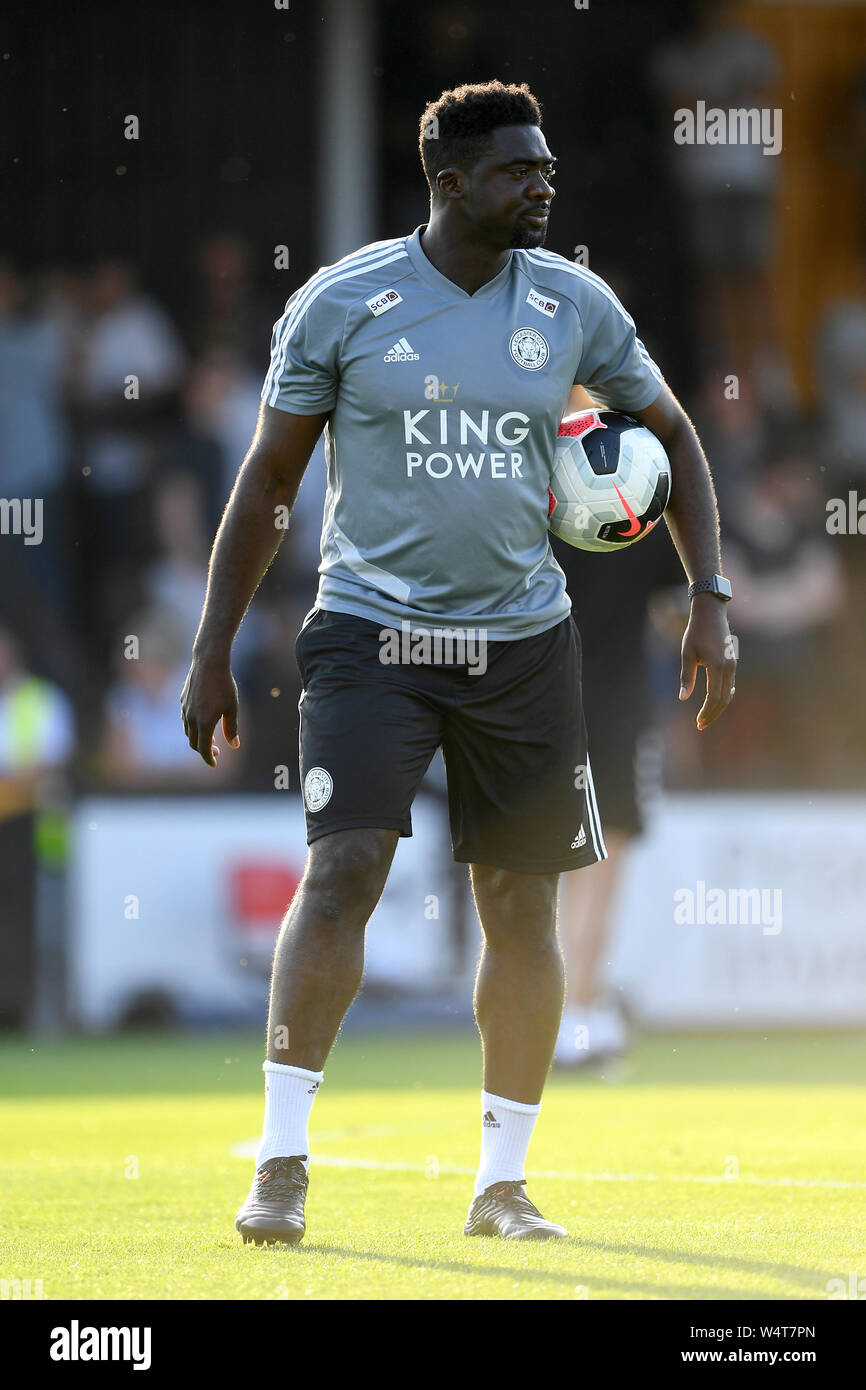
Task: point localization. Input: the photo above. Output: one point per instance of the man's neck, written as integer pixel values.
(470, 264)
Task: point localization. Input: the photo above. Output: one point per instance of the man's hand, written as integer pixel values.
(708, 642)
(693, 521)
(209, 693)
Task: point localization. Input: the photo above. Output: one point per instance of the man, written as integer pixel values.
(440, 364)
(610, 601)
(37, 740)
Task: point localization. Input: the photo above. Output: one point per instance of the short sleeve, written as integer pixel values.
(303, 376)
(614, 366)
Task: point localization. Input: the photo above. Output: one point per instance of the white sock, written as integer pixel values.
(506, 1129)
(289, 1096)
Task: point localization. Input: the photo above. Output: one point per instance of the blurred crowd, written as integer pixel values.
(777, 463)
(129, 426)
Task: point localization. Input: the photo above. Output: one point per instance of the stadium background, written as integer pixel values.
(137, 888)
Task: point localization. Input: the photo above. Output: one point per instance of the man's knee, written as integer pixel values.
(346, 872)
(513, 903)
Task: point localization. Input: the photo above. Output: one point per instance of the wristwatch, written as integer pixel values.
(716, 584)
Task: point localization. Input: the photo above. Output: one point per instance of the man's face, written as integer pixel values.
(508, 193)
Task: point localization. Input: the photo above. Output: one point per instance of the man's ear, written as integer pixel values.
(451, 182)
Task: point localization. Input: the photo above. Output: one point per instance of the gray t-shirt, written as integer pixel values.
(444, 409)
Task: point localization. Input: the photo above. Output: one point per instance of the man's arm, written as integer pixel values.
(246, 542)
(693, 521)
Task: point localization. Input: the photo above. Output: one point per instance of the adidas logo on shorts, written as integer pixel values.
(579, 839)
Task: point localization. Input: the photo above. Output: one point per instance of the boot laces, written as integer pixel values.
(281, 1178)
(512, 1194)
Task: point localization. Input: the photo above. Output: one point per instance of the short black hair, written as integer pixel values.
(455, 128)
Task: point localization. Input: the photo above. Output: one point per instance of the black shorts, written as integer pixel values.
(520, 791)
(624, 761)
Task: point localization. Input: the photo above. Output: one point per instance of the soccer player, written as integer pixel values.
(610, 600)
(439, 364)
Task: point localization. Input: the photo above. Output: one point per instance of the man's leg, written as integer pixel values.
(317, 969)
(319, 959)
(520, 982)
(585, 919)
(592, 1029)
(518, 1001)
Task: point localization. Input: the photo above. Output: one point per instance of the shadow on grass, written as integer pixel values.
(577, 1280)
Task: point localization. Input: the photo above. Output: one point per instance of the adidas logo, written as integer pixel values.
(402, 351)
(579, 839)
(490, 1121)
(313, 1089)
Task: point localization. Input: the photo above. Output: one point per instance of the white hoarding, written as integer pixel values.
(733, 910)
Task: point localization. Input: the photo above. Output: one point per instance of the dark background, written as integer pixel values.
(226, 98)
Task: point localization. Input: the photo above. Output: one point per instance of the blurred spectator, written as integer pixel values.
(788, 587)
(227, 315)
(37, 736)
(37, 729)
(221, 408)
(144, 746)
(733, 431)
(33, 433)
(175, 581)
(126, 374)
(729, 194)
(611, 597)
(840, 357)
(856, 141)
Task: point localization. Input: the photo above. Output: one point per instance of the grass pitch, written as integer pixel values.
(707, 1168)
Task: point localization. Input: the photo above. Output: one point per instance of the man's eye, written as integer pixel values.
(550, 174)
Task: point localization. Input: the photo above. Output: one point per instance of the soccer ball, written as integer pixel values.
(611, 481)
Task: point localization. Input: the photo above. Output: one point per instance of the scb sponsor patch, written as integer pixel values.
(543, 303)
(383, 301)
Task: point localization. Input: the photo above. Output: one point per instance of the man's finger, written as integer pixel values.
(205, 745)
(230, 728)
(688, 673)
(713, 703)
(729, 675)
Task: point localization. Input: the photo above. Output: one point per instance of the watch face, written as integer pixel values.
(716, 584)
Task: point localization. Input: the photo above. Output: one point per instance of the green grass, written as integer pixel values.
(641, 1163)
